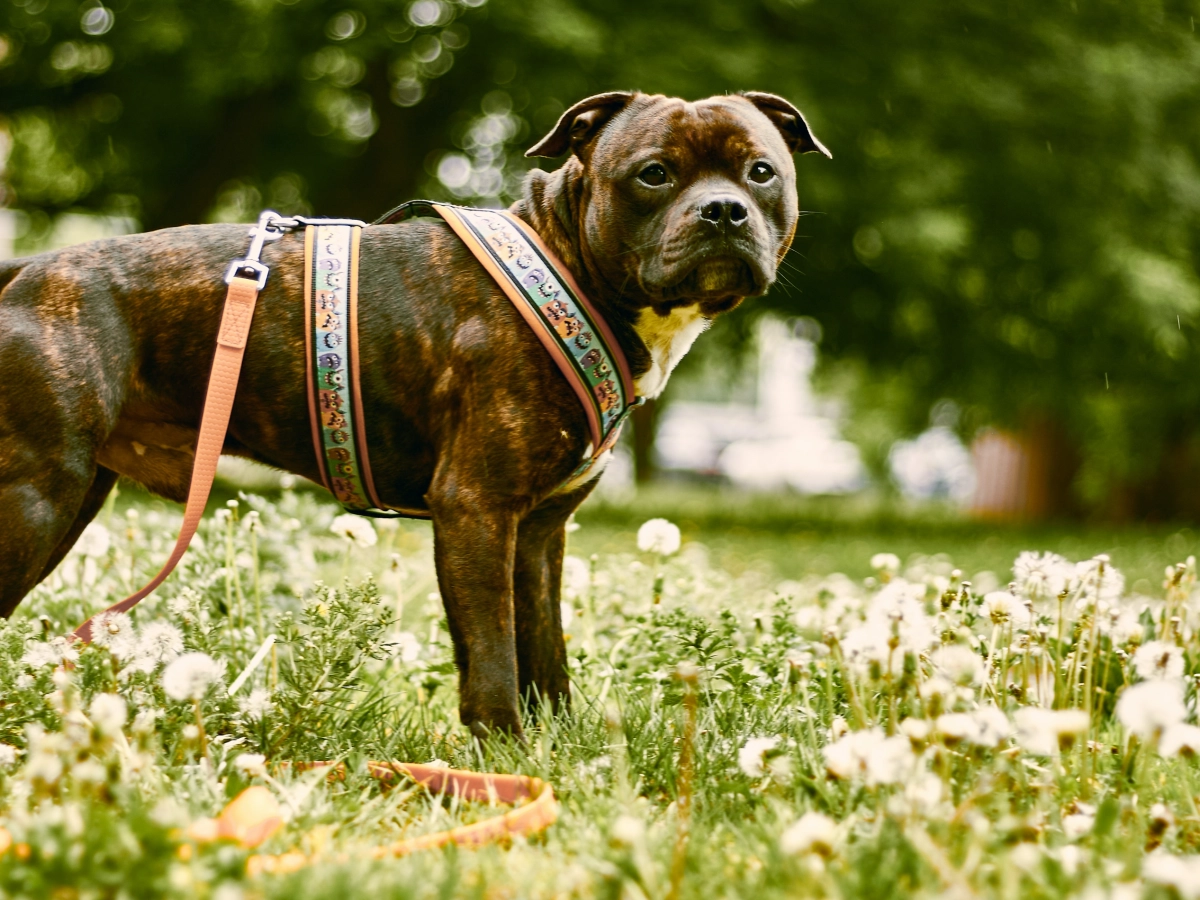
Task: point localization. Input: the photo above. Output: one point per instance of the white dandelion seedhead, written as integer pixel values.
(95, 541)
(355, 529)
(1149, 708)
(257, 705)
(1179, 872)
(1180, 740)
(8, 755)
(1006, 609)
(984, 727)
(959, 663)
(1097, 580)
(108, 713)
(406, 646)
(871, 756)
(160, 642)
(1042, 576)
(752, 758)
(190, 676)
(1044, 732)
(1158, 660)
(252, 765)
(576, 576)
(114, 632)
(813, 832)
(885, 562)
(899, 610)
(659, 536)
(55, 652)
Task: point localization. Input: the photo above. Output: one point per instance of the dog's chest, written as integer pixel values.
(667, 338)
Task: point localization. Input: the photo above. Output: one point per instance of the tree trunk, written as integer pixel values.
(645, 424)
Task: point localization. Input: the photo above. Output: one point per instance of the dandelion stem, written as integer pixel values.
(686, 775)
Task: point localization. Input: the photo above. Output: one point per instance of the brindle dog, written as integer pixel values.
(667, 213)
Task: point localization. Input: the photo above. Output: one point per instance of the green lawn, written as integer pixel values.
(857, 737)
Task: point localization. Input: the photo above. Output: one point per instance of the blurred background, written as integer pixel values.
(992, 304)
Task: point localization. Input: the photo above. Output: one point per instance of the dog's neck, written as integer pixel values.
(553, 204)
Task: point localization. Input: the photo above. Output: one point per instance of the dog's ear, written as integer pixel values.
(789, 121)
(580, 124)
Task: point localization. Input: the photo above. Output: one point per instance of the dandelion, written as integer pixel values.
(871, 755)
(577, 577)
(1182, 873)
(114, 632)
(55, 652)
(985, 727)
(1097, 580)
(885, 562)
(891, 761)
(898, 610)
(1044, 732)
(190, 676)
(752, 756)
(8, 755)
(1148, 708)
(959, 664)
(1041, 576)
(160, 642)
(658, 536)
(355, 529)
(407, 647)
(1122, 626)
(811, 833)
(1158, 660)
(1180, 740)
(257, 705)
(869, 652)
(252, 765)
(1005, 609)
(1078, 824)
(95, 541)
(108, 713)
(627, 830)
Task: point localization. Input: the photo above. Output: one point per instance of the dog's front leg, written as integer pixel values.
(474, 543)
(541, 650)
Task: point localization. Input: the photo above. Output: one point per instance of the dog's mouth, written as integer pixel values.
(716, 278)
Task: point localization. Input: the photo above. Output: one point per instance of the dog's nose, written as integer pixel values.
(724, 211)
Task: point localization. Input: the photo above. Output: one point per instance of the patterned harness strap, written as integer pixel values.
(543, 291)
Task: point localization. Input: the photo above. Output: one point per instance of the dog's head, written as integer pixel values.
(685, 203)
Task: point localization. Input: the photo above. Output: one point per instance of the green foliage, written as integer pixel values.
(1009, 220)
(103, 767)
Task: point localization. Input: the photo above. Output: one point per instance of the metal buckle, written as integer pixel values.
(271, 226)
(238, 266)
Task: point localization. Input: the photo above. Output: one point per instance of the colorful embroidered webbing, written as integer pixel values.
(331, 339)
(550, 301)
(539, 286)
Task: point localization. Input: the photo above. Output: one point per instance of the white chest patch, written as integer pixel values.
(667, 338)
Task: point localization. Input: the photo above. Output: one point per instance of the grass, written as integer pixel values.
(877, 773)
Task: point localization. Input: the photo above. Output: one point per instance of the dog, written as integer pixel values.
(667, 212)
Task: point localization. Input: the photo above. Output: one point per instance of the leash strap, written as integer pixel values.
(240, 301)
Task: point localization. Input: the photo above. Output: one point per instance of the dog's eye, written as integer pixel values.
(761, 173)
(653, 175)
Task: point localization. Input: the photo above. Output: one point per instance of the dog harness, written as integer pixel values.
(541, 288)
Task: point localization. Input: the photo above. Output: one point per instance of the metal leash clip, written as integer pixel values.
(271, 226)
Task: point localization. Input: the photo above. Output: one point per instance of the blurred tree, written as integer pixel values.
(1009, 221)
